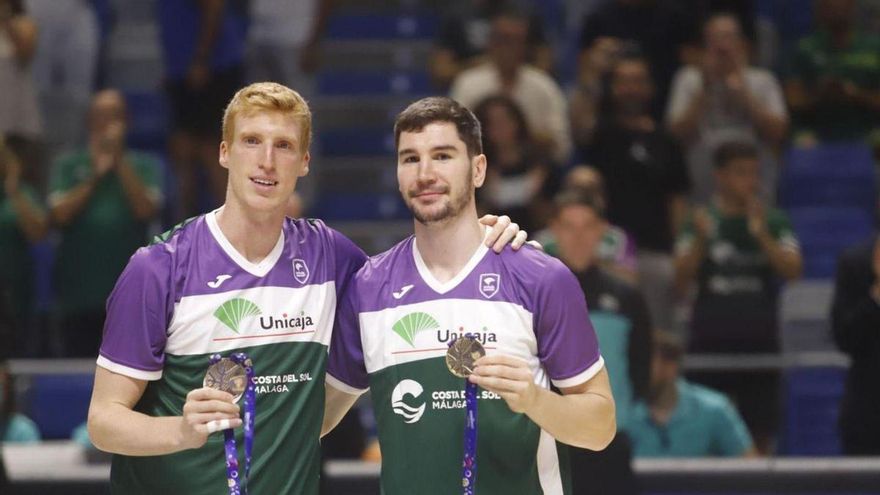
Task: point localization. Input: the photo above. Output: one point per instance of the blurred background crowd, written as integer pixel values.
(705, 167)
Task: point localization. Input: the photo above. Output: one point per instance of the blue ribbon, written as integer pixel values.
(250, 401)
(469, 459)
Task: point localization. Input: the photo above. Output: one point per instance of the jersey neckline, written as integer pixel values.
(260, 269)
(444, 287)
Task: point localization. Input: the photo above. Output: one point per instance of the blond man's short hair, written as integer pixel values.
(268, 96)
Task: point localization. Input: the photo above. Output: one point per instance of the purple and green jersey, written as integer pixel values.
(393, 328)
(191, 294)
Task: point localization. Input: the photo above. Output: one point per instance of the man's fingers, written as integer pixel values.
(222, 424)
(501, 359)
(498, 230)
(519, 240)
(488, 220)
(506, 236)
(209, 406)
(205, 418)
(208, 393)
(502, 371)
(497, 384)
(535, 244)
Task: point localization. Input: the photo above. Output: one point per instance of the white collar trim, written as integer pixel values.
(443, 288)
(257, 269)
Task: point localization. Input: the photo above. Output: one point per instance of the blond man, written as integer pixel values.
(241, 279)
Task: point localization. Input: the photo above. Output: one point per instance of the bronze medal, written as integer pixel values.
(228, 376)
(462, 354)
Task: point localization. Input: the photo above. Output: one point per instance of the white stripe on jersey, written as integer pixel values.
(266, 315)
(548, 465)
(583, 376)
(508, 325)
(121, 369)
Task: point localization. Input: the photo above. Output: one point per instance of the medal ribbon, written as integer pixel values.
(250, 396)
(469, 459)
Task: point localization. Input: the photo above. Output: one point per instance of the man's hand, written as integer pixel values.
(102, 164)
(109, 149)
(504, 232)
(508, 377)
(757, 219)
(703, 224)
(207, 410)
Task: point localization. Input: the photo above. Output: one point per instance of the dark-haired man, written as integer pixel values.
(405, 305)
(683, 419)
(646, 179)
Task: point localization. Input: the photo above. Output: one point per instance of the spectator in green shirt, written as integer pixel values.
(683, 419)
(102, 199)
(22, 222)
(737, 251)
(834, 86)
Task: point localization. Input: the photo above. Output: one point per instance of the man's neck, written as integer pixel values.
(508, 77)
(252, 234)
(446, 247)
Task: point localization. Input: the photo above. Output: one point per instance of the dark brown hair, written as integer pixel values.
(441, 109)
(589, 197)
(513, 111)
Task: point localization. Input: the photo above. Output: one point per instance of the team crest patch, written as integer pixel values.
(489, 284)
(300, 271)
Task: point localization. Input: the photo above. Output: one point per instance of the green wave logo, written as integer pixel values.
(233, 310)
(413, 323)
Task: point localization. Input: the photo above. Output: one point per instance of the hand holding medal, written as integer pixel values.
(235, 376)
(460, 358)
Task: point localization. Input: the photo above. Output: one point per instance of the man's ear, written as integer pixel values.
(224, 155)
(307, 158)
(479, 163)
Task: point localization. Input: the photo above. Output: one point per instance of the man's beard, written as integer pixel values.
(451, 208)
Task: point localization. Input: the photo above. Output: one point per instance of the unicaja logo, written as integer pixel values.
(413, 323)
(233, 311)
(407, 387)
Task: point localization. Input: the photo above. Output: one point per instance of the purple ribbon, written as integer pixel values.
(469, 459)
(250, 400)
